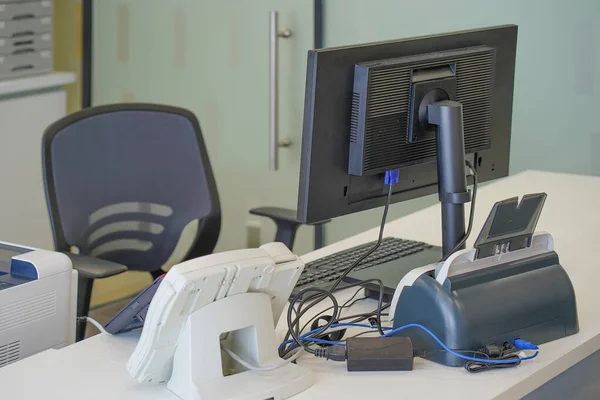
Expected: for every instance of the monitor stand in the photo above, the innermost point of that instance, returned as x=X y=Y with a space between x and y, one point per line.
x=447 y=116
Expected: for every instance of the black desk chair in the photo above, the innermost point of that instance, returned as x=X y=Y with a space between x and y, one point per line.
x=122 y=182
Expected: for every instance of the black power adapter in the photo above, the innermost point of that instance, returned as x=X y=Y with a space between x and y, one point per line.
x=379 y=354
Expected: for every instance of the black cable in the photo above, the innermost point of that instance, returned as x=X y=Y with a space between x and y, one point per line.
x=299 y=314
x=355 y=318
x=325 y=327
x=489 y=352
x=471 y=214
x=493 y=352
x=473 y=352
x=317 y=298
x=379 y=303
x=349 y=303
x=377 y=312
x=296 y=333
x=356 y=301
x=294 y=326
x=375 y=247
x=361 y=317
x=480 y=366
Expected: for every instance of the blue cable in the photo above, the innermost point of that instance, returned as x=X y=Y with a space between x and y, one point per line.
x=310 y=339
x=467 y=358
x=520 y=343
x=317 y=340
x=392 y=177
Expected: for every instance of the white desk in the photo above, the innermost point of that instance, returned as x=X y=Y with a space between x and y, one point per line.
x=96 y=366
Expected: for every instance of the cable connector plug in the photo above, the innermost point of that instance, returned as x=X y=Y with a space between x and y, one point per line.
x=392 y=177
x=492 y=350
x=92 y=321
x=525 y=345
x=334 y=353
x=373 y=322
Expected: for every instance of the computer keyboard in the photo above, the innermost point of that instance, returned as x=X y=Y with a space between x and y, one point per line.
x=323 y=272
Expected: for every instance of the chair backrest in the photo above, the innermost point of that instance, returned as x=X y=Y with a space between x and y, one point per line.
x=122 y=181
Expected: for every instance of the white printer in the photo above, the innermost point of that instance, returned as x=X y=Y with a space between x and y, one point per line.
x=38 y=301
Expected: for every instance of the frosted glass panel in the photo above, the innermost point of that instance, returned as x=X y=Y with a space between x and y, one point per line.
x=211 y=57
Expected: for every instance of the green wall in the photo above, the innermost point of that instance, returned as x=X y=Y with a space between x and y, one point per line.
x=556 y=118
x=556 y=121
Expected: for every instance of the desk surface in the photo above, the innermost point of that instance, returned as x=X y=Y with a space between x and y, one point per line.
x=96 y=366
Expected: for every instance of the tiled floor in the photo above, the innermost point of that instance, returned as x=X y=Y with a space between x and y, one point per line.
x=103 y=314
x=115 y=287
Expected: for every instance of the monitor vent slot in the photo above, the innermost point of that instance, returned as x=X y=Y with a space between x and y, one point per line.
x=386 y=125
x=387 y=92
x=474 y=86
x=26 y=311
x=354 y=118
x=10 y=353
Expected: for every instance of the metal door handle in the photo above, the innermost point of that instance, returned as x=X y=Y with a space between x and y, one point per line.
x=274 y=141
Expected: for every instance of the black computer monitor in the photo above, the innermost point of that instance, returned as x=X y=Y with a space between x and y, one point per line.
x=366 y=112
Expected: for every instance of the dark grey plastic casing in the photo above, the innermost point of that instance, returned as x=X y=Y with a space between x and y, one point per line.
x=511 y=286
x=532 y=299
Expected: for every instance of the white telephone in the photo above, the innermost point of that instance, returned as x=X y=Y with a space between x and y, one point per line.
x=240 y=293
